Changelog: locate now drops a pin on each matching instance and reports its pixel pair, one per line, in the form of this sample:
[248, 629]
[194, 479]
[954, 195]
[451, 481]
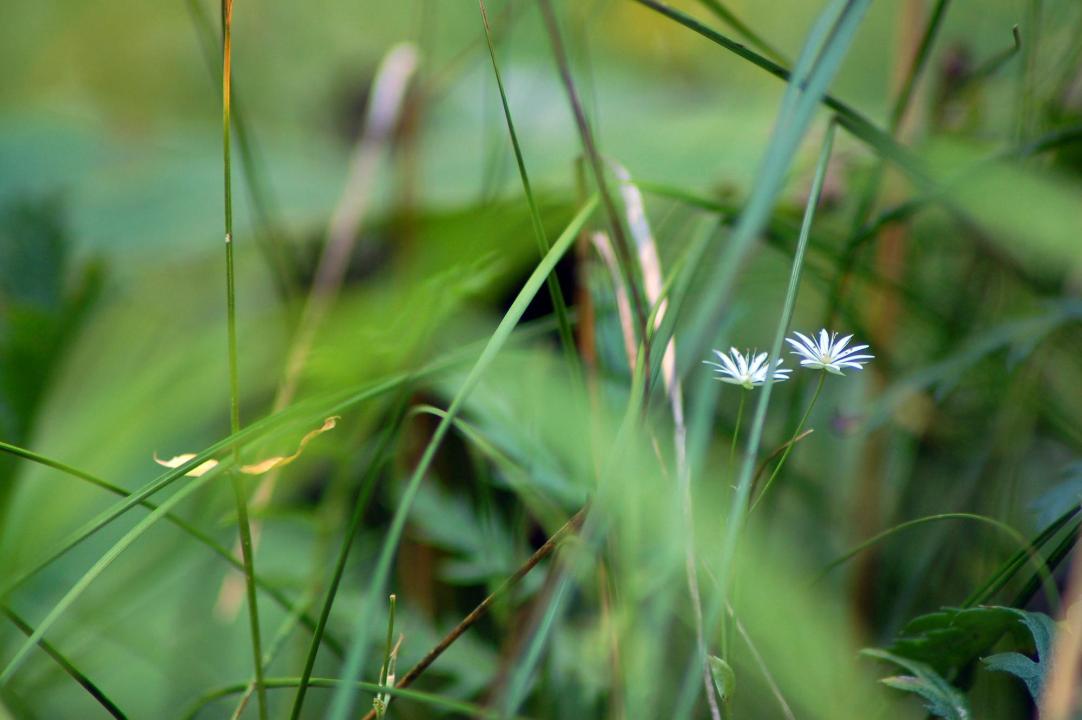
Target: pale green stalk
[237, 479]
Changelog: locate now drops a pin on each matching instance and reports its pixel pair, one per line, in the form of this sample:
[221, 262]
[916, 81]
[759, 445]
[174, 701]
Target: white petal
[840, 345]
[824, 342]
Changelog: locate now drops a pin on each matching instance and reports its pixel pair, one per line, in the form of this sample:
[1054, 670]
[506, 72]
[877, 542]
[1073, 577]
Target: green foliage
[1032, 672]
[952, 638]
[724, 678]
[941, 699]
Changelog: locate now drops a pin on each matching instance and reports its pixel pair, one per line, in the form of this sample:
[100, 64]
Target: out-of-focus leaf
[724, 677]
[941, 698]
[1034, 216]
[1031, 672]
[484, 548]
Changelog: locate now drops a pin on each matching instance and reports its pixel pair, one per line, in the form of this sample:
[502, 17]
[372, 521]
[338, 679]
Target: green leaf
[1031, 672]
[941, 698]
[724, 677]
[952, 638]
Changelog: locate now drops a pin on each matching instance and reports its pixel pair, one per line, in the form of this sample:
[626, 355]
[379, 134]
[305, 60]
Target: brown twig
[572, 525]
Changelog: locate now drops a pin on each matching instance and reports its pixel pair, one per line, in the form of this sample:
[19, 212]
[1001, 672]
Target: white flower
[829, 353]
[745, 370]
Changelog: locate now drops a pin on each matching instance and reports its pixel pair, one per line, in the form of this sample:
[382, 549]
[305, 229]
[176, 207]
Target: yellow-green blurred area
[958, 260]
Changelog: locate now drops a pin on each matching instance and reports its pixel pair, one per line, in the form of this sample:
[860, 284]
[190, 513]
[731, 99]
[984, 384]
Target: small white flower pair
[829, 354]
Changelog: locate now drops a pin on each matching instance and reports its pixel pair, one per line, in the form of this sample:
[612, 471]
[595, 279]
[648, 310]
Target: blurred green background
[113, 344]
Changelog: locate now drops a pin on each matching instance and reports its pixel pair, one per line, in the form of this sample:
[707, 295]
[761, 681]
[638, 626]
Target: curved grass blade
[1026, 549]
[344, 696]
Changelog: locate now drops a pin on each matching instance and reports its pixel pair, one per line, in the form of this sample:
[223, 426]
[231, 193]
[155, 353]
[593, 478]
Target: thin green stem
[367, 484]
[736, 430]
[237, 479]
[593, 157]
[558, 303]
[791, 443]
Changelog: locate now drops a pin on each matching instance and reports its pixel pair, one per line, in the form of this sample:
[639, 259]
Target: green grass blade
[342, 703]
[274, 683]
[66, 665]
[368, 482]
[302, 413]
[1026, 550]
[217, 548]
[96, 569]
[237, 480]
[558, 302]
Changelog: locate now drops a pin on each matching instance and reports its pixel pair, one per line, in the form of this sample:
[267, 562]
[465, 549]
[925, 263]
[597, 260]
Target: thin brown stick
[572, 525]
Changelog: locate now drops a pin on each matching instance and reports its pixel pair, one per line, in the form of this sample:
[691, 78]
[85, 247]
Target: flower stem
[792, 441]
[736, 430]
[239, 492]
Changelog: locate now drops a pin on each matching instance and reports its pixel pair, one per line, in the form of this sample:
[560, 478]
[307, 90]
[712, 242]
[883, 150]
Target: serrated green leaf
[952, 638]
[941, 698]
[1031, 672]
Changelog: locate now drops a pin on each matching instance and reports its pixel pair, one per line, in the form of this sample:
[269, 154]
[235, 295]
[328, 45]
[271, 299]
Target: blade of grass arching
[270, 241]
[555, 293]
[218, 549]
[593, 158]
[1007, 570]
[1026, 550]
[741, 28]
[368, 482]
[66, 665]
[237, 480]
[97, 568]
[1058, 555]
[273, 683]
[342, 704]
[304, 413]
